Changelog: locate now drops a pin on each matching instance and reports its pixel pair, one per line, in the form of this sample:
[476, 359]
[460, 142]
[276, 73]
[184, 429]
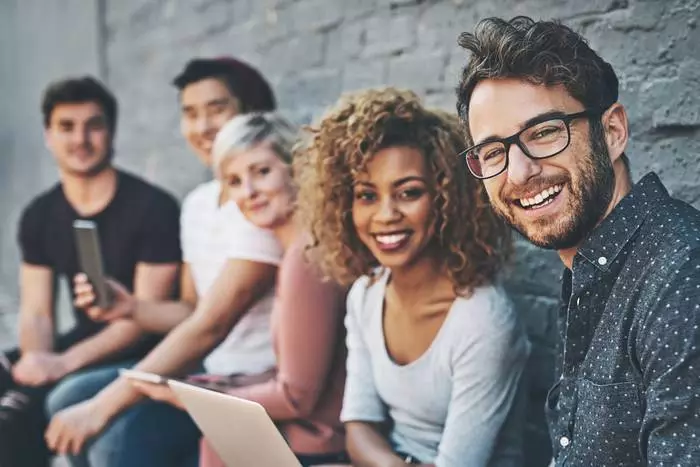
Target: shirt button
[602, 260]
[564, 441]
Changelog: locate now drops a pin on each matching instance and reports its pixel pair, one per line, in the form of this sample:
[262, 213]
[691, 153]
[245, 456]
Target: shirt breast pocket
[607, 423]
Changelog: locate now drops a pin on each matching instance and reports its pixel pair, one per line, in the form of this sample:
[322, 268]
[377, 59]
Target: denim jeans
[22, 413]
[149, 434]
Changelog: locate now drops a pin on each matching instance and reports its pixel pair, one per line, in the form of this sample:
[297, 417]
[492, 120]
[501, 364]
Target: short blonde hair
[248, 130]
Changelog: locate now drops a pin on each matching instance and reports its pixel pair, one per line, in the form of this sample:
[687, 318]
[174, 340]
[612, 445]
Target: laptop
[240, 431]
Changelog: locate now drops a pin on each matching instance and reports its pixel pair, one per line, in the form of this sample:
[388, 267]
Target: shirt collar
[607, 240]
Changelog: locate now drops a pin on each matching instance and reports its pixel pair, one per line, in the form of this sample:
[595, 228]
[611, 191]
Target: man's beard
[588, 201]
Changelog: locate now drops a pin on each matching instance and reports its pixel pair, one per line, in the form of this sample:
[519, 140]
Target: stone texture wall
[40, 41]
[313, 50]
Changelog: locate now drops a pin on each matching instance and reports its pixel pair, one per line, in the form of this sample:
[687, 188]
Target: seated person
[139, 235]
[252, 155]
[223, 313]
[436, 352]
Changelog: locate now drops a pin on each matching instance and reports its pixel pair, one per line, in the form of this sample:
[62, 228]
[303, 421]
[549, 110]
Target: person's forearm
[117, 397]
[116, 337]
[176, 354]
[369, 448]
[161, 317]
[35, 332]
[183, 348]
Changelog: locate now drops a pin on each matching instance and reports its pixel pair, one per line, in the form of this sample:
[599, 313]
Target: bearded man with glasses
[548, 138]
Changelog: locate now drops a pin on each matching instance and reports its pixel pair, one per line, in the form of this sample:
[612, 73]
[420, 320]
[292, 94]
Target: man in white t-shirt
[226, 294]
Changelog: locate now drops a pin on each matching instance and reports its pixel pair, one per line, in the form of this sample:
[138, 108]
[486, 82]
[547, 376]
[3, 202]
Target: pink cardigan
[305, 396]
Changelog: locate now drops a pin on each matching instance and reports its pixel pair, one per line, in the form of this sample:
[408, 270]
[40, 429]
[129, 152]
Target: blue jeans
[149, 434]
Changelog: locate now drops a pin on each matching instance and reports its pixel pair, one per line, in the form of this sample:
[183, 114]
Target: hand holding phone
[123, 303]
[87, 243]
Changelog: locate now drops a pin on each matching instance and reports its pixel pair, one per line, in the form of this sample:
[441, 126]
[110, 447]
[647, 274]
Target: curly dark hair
[472, 241]
[542, 52]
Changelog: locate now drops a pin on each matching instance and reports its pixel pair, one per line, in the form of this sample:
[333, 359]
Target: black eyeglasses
[538, 141]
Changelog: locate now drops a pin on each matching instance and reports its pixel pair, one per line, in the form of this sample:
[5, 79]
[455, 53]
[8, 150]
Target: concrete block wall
[312, 50]
[39, 42]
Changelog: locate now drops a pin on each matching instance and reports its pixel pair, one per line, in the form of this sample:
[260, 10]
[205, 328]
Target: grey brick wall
[40, 41]
[312, 50]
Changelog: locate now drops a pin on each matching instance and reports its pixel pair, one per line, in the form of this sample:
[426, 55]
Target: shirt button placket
[564, 441]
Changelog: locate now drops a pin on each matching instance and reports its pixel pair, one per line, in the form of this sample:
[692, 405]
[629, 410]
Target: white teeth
[542, 196]
[390, 239]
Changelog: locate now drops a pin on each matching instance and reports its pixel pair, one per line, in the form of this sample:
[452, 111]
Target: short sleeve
[249, 242]
[160, 236]
[29, 236]
[186, 224]
[489, 359]
[361, 402]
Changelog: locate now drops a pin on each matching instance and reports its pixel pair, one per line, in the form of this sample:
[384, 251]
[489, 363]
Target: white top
[451, 406]
[212, 234]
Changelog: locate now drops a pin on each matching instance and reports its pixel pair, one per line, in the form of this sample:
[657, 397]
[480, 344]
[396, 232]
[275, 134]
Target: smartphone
[144, 376]
[90, 259]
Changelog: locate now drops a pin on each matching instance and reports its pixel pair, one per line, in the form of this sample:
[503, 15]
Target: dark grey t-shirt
[140, 224]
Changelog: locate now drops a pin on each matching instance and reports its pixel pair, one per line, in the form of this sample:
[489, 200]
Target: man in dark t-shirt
[138, 228]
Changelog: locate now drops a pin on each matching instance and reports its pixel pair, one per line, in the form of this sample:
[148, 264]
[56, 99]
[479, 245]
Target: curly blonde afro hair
[472, 241]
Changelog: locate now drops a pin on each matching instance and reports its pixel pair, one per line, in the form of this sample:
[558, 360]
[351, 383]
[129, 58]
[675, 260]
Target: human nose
[521, 168]
[202, 124]
[248, 188]
[388, 211]
[79, 136]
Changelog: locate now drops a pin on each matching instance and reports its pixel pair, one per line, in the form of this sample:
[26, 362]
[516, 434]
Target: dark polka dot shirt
[629, 392]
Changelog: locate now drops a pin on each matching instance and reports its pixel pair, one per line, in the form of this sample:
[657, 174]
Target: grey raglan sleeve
[490, 355]
[361, 401]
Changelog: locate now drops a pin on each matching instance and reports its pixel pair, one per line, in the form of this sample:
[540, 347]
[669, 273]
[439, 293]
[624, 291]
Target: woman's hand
[158, 392]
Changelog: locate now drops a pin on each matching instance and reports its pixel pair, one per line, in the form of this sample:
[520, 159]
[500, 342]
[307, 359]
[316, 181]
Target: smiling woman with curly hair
[472, 240]
[436, 351]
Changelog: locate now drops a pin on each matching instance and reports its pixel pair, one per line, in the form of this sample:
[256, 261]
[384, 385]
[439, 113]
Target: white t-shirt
[212, 234]
[452, 406]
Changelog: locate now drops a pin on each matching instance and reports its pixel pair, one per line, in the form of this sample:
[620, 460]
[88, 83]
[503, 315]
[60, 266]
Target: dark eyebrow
[99, 118]
[410, 178]
[397, 183]
[216, 102]
[211, 103]
[65, 122]
[543, 117]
